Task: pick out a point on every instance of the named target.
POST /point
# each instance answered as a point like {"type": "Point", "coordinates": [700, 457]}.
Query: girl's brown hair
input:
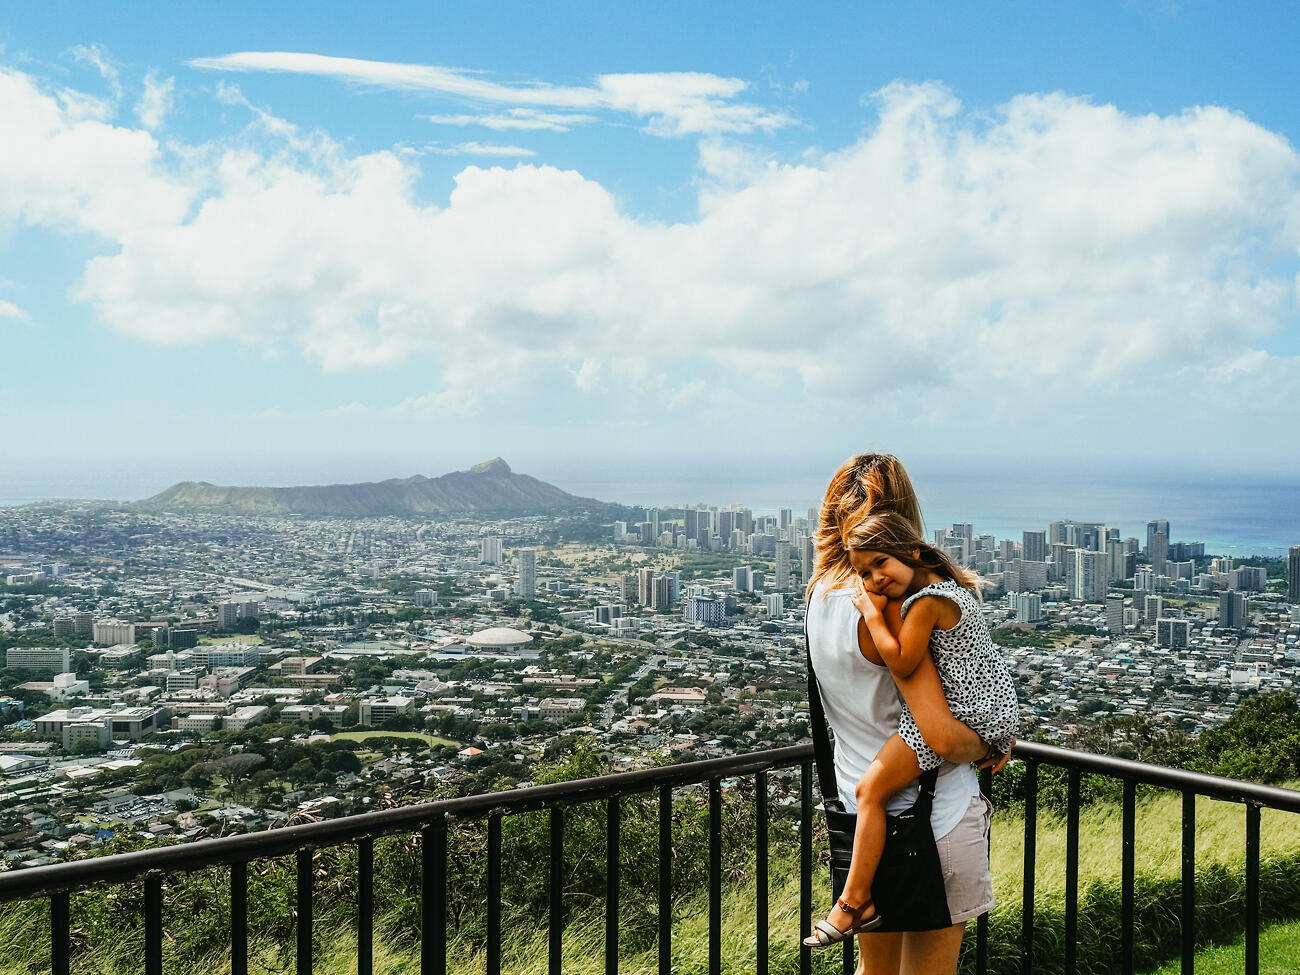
{"type": "Point", "coordinates": [865, 484]}
{"type": "Point", "coordinates": [892, 534]}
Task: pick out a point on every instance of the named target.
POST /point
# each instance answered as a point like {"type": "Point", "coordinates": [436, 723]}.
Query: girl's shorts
{"type": "Point", "coordinates": [964, 856]}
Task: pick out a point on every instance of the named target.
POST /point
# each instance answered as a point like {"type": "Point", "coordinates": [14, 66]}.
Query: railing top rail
{"type": "Point", "coordinates": [125, 867]}
{"type": "Point", "coordinates": [1213, 786]}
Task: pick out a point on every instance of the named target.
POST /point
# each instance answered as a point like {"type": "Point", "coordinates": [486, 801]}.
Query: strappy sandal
{"type": "Point", "coordinates": [826, 934]}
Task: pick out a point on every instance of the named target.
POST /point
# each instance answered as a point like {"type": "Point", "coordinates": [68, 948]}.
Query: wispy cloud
{"type": "Point", "coordinates": [12, 313]}
{"type": "Point", "coordinates": [671, 103]}
{"type": "Point", "coordinates": [524, 119]}
{"type": "Point", "coordinates": [156, 100]}
{"type": "Point", "coordinates": [94, 55]}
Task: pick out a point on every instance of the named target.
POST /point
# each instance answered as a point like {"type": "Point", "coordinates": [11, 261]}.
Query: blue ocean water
{"type": "Point", "coordinates": [1234, 514]}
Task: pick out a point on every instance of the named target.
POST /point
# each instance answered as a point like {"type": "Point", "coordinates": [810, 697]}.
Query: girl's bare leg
{"type": "Point", "coordinates": [894, 766]}
{"type": "Point", "coordinates": [932, 952]}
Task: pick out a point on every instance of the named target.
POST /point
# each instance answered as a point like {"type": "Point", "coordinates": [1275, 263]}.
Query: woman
{"type": "Point", "coordinates": [862, 708]}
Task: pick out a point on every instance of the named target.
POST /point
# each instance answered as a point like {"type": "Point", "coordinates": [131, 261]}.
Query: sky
{"type": "Point", "coordinates": [304, 243]}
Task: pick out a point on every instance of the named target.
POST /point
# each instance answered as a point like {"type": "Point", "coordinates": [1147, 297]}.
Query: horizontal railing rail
{"type": "Point", "coordinates": [431, 819]}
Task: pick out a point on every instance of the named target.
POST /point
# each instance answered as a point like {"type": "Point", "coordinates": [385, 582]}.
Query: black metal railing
{"type": "Point", "coordinates": [431, 819]}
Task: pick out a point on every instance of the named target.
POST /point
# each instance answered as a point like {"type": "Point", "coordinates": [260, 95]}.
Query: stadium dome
{"type": "Point", "coordinates": [500, 638]}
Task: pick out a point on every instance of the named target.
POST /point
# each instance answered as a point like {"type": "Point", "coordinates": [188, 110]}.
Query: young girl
{"type": "Point", "coordinates": [938, 613]}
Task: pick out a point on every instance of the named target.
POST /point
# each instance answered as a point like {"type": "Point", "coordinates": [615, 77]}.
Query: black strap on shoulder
{"type": "Point", "coordinates": [823, 751]}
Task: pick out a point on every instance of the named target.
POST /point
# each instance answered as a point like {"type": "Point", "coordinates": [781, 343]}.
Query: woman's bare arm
{"type": "Point", "coordinates": [951, 739]}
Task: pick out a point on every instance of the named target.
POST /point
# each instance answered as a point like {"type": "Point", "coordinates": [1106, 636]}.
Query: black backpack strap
{"type": "Point", "coordinates": [823, 754]}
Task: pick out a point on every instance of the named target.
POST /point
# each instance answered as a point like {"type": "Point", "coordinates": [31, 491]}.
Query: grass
{"type": "Point", "coordinates": [429, 740]}
{"type": "Point", "coordinates": [1279, 954]}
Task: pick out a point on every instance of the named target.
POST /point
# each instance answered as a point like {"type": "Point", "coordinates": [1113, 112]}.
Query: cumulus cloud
{"type": "Point", "coordinates": [946, 264]}
{"type": "Point", "coordinates": [672, 103]}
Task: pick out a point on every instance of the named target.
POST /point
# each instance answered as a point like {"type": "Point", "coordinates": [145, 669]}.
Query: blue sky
{"type": "Point", "coordinates": [275, 243]}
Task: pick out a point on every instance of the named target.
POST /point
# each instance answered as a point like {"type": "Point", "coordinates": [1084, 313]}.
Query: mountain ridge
{"type": "Point", "coordinates": [487, 488]}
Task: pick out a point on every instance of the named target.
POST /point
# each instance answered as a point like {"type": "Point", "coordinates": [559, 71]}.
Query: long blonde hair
{"type": "Point", "coordinates": [891, 533]}
{"type": "Point", "coordinates": [864, 485]}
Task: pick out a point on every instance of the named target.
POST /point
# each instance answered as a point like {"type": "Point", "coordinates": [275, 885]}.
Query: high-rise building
{"type": "Point", "coordinates": [620, 531]}
{"type": "Point", "coordinates": [1117, 560]}
{"type": "Point", "coordinates": [1091, 576]}
{"type": "Point", "coordinates": [1173, 633]}
{"type": "Point", "coordinates": [1248, 578]}
{"type": "Point", "coordinates": [1158, 552]}
{"type": "Point", "coordinates": [85, 624]}
{"type": "Point", "coordinates": [1115, 614]}
{"type": "Point", "coordinates": [964, 529]}
{"type": "Point", "coordinates": [112, 632]}
{"type": "Point", "coordinates": [774, 603]}
{"type": "Point", "coordinates": [1034, 546]}
{"type": "Point", "coordinates": [661, 593]}
{"type": "Point", "coordinates": [1232, 611]}
{"type": "Point", "coordinates": [1028, 606]}
{"type": "Point", "coordinates": [227, 616]}
{"type": "Point", "coordinates": [704, 609]}
{"type": "Point", "coordinates": [64, 626]}
{"type": "Point", "coordinates": [1157, 525]}
{"type": "Point", "coordinates": [627, 588]}
{"type": "Point", "coordinates": [645, 586]}
{"type": "Point", "coordinates": [1293, 574]}
{"type": "Point", "coordinates": [742, 579]}
{"type": "Point", "coordinates": [490, 550]}
{"type": "Point", "coordinates": [783, 562]}
{"type": "Point", "coordinates": [784, 519]}
{"type": "Point", "coordinates": [526, 564]}
{"type": "Point", "coordinates": [426, 597]}
{"type": "Point", "coordinates": [1153, 607]}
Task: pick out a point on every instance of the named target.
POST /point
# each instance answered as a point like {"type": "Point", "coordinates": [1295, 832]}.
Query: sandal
{"type": "Point", "coordinates": [826, 934]}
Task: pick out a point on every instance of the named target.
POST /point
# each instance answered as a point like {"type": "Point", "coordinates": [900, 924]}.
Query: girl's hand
{"type": "Point", "coordinates": [868, 603]}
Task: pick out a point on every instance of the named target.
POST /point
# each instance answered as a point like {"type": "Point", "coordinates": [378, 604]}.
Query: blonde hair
{"type": "Point", "coordinates": [892, 534]}
{"type": "Point", "coordinates": [864, 485]}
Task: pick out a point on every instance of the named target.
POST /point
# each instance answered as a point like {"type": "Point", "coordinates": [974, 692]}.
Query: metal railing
{"type": "Point", "coordinates": [56, 881]}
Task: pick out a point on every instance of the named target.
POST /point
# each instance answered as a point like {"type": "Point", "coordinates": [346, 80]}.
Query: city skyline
{"type": "Point", "coordinates": [247, 244]}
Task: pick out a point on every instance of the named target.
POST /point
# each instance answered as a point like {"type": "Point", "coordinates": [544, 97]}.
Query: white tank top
{"type": "Point", "coordinates": [862, 708]}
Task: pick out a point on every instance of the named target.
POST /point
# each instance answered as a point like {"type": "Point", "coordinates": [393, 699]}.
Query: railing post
{"type": "Point", "coordinates": [1072, 873]}
{"type": "Point", "coordinates": [1189, 882]}
{"type": "Point", "coordinates": [982, 922]}
{"type": "Point", "coordinates": [612, 815]}
{"type": "Point", "coordinates": [1126, 877]}
{"type": "Point", "coordinates": [239, 918]}
{"type": "Point", "coordinates": [433, 898]}
{"type": "Point", "coordinates": [555, 924]}
{"type": "Point", "coordinates": [60, 959]}
{"type": "Point", "coordinates": [366, 906]}
{"type": "Point", "coordinates": [715, 877]}
{"type": "Point", "coordinates": [305, 882]}
{"type": "Point", "coordinates": [494, 894]}
{"type": "Point", "coordinates": [760, 872]}
{"type": "Point", "coordinates": [1252, 889]}
{"type": "Point", "coordinates": [665, 880]}
{"type": "Point", "coordinates": [153, 933]}
{"type": "Point", "coordinates": [805, 865]}
{"type": "Point", "coordinates": [1031, 856]}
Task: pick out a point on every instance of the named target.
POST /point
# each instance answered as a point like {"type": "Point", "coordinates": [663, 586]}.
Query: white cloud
{"type": "Point", "coordinates": [489, 149]}
{"type": "Point", "coordinates": [156, 100]}
{"type": "Point", "coordinates": [672, 103]}
{"type": "Point", "coordinates": [1053, 255]}
{"type": "Point", "coordinates": [96, 57]}
{"type": "Point", "coordinates": [11, 312]}
{"type": "Point", "coordinates": [524, 119]}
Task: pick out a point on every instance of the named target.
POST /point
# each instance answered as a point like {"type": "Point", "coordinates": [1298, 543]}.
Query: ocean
{"type": "Point", "coordinates": [1234, 514]}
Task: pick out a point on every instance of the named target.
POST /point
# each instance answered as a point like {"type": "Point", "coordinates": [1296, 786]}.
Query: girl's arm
{"type": "Point", "coordinates": [903, 651]}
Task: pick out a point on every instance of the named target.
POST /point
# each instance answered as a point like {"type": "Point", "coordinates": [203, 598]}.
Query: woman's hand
{"type": "Point", "coordinates": [995, 761]}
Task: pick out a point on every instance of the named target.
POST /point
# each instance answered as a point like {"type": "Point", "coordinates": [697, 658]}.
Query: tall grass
{"type": "Point", "coordinates": [108, 935]}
